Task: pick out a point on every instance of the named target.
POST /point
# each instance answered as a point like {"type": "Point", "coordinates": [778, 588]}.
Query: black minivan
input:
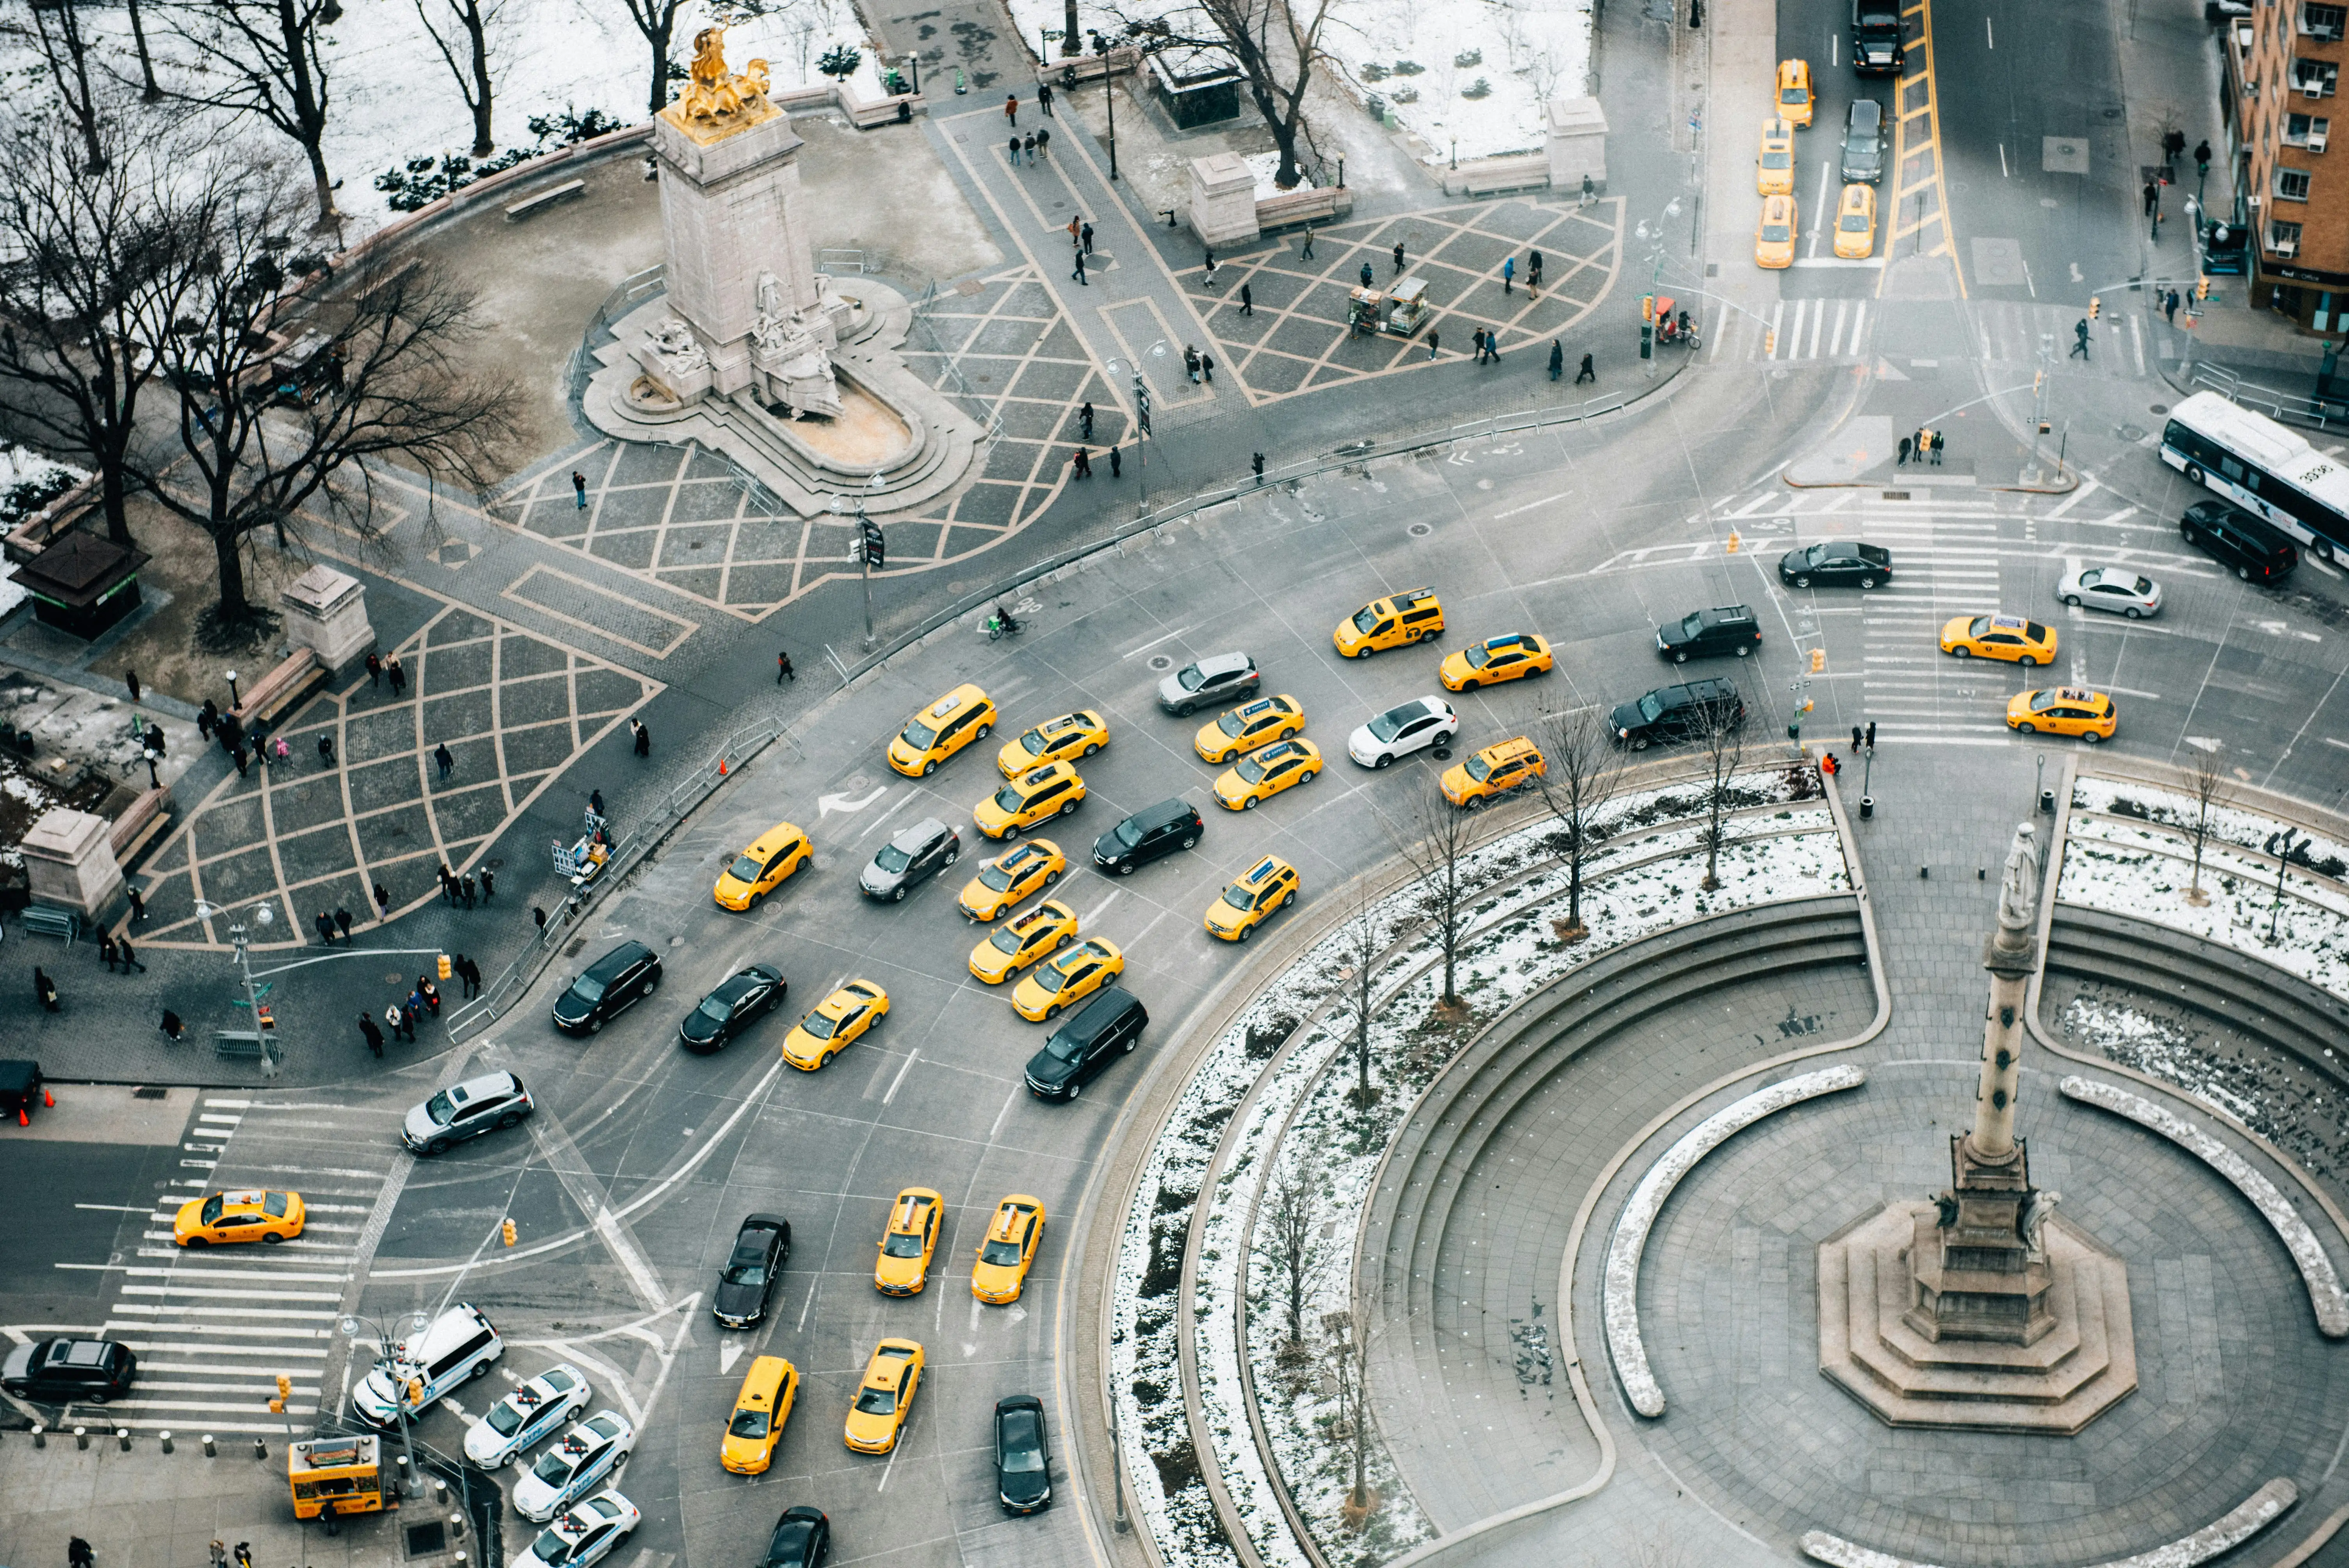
{"type": "Point", "coordinates": [1150, 834]}
{"type": "Point", "coordinates": [2252, 548]}
{"type": "Point", "coordinates": [1108, 1026]}
{"type": "Point", "coordinates": [611, 984]}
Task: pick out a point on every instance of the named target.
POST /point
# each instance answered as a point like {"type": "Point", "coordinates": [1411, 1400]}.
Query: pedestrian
{"type": "Point", "coordinates": [1044, 97]}
{"type": "Point", "coordinates": [1589, 193]}
{"type": "Point", "coordinates": [1248, 301]}
{"type": "Point", "coordinates": [374, 1038]}
{"type": "Point", "coordinates": [238, 752]}
{"type": "Point", "coordinates": [244, 1554]}
{"type": "Point", "coordinates": [447, 884]}
{"type": "Point", "coordinates": [595, 801]}
{"type": "Point", "coordinates": [1011, 109]}
{"type": "Point", "coordinates": [382, 902]}
{"type": "Point", "coordinates": [1117, 462]}
{"type": "Point", "coordinates": [220, 1555]}
{"type": "Point", "coordinates": [326, 751]}
{"type": "Point", "coordinates": [489, 885]}
{"type": "Point", "coordinates": [1828, 766]}
{"type": "Point", "coordinates": [130, 679]}
{"type": "Point", "coordinates": [470, 890]}
{"type": "Point", "coordinates": [1902, 461]}
{"type": "Point", "coordinates": [1085, 238]}
{"type": "Point", "coordinates": [402, 1020]}
{"type": "Point", "coordinates": [1256, 463]}
{"type": "Point", "coordinates": [1398, 257]}
{"type": "Point", "coordinates": [325, 924]}
{"type": "Point", "coordinates": [208, 715]}
{"type": "Point", "coordinates": [1082, 464]}
{"type": "Point", "coordinates": [644, 739]}
{"type": "Point", "coordinates": [2152, 198]}
{"type": "Point", "coordinates": [1476, 339]}
{"type": "Point", "coordinates": [173, 1027]}
{"type": "Point", "coordinates": [1508, 272]}
{"type": "Point", "coordinates": [1028, 146]}
{"type": "Point", "coordinates": [398, 674]}
{"type": "Point", "coordinates": [1015, 152]}
{"type": "Point", "coordinates": [1211, 269]}
{"type": "Point", "coordinates": [1043, 140]}
{"type": "Point", "coordinates": [423, 997]}
{"type": "Point", "coordinates": [441, 755]}
{"type": "Point", "coordinates": [1191, 363]}
{"type": "Point", "coordinates": [129, 959]}
{"type": "Point", "coordinates": [78, 1552]}
{"type": "Point", "coordinates": [1207, 367]}
{"type": "Point", "coordinates": [1307, 254]}
{"type": "Point", "coordinates": [45, 990]}
{"type": "Point", "coordinates": [1366, 274]}
{"type": "Point", "coordinates": [1941, 439]}
{"type": "Point", "coordinates": [1078, 275]}
{"type": "Point", "coordinates": [1533, 272]}
{"type": "Point", "coordinates": [374, 668]}
{"type": "Point", "coordinates": [343, 922]}
{"type": "Point", "coordinates": [1085, 421]}
{"type": "Point", "coordinates": [783, 669]}
{"type": "Point", "coordinates": [106, 951]}
{"type": "Point", "coordinates": [1556, 356]}
{"type": "Point", "coordinates": [1586, 373]}
{"type": "Point", "coordinates": [469, 973]}
{"type": "Point", "coordinates": [2169, 306]}
{"type": "Point", "coordinates": [1076, 231]}
{"type": "Point", "coordinates": [280, 750]}
{"type": "Point", "coordinates": [1434, 342]}
{"type": "Point", "coordinates": [579, 489]}
{"type": "Point", "coordinates": [2173, 142]}
{"type": "Point", "coordinates": [1493, 347]}
{"type": "Point", "coordinates": [1924, 443]}
{"type": "Point", "coordinates": [539, 916]}
{"type": "Point", "coordinates": [2202, 158]}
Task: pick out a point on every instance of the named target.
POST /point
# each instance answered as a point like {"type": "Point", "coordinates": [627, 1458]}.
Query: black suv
{"type": "Point", "coordinates": [1149, 833]}
{"type": "Point", "coordinates": [1731, 629]}
{"type": "Point", "coordinates": [803, 1539]}
{"type": "Point", "coordinates": [1023, 1456]}
{"type": "Point", "coordinates": [2252, 548]}
{"type": "Point", "coordinates": [612, 985]}
{"type": "Point", "coordinates": [1675, 712]}
{"type": "Point", "coordinates": [1108, 1026]}
{"type": "Point", "coordinates": [1863, 143]}
{"type": "Point", "coordinates": [1835, 562]}
{"type": "Point", "coordinates": [748, 1282]}
{"type": "Point", "coordinates": [64, 1371]}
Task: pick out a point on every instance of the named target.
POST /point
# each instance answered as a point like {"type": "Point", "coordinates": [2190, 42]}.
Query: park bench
{"type": "Point", "coordinates": [553, 193]}
{"type": "Point", "coordinates": [237, 1043]}
{"type": "Point", "coordinates": [281, 687]}
{"type": "Point", "coordinates": [1492, 176]}
{"type": "Point", "coordinates": [140, 825]}
{"type": "Point", "coordinates": [44, 922]}
{"type": "Point", "coordinates": [1294, 207]}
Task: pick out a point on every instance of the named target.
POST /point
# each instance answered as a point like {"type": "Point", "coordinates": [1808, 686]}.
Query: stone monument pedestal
{"type": "Point", "coordinates": [1578, 144]}
{"type": "Point", "coordinates": [69, 861]}
{"type": "Point", "coordinates": [326, 611]}
{"type": "Point", "coordinates": [1223, 199]}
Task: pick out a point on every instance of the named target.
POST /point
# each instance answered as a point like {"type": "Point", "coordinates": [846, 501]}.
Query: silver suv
{"type": "Point", "coordinates": [466, 1110]}
{"type": "Point", "coordinates": [1213, 681]}
{"type": "Point", "coordinates": [1863, 143]}
{"type": "Point", "coordinates": [918, 853]}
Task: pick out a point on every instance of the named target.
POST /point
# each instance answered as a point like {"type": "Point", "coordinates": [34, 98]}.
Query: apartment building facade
{"type": "Point", "coordinates": [2283, 67]}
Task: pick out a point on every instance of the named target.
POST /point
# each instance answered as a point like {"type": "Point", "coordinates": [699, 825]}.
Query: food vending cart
{"type": "Point", "coordinates": [337, 1476]}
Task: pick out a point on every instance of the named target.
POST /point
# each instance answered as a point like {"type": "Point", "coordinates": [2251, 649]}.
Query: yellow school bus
{"type": "Point", "coordinates": [337, 1475]}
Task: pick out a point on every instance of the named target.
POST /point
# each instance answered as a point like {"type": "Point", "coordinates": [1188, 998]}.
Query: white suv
{"type": "Point", "coordinates": [459, 1344]}
{"type": "Point", "coordinates": [1420, 723]}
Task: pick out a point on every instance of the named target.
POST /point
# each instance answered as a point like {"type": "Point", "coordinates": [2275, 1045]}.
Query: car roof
{"type": "Point", "coordinates": [619, 958]}
{"type": "Point", "coordinates": [452, 1327]}
{"type": "Point", "coordinates": [920, 834]}
{"type": "Point", "coordinates": [1019, 1402]}
{"type": "Point", "coordinates": [486, 1085]}
{"type": "Point", "coordinates": [1868, 109]}
{"type": "Point", "coordinates": [773, 839]}
{"type": "Point", "coordinates": [1270, 865]}
{"type": "Point", "coordinates": [1217, 664]}
{"type": "Point", "coordinates": [1173, 811]}
{"type": "Point", "coordinates": [960, 698]}
{"type": "Point", "coordinates": [1723, 615]}
{"type": "Point", "coordinates": [763, 1222]}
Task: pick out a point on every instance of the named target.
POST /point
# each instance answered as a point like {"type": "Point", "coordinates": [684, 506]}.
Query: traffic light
{"type": "Point", "coordinates": [1648, 308]}
{"type": "Point", "coordinates": [416, 1392]}
{"type": "Point", "coordinates": [445, 970]}
{"type": "Point", "coordinates": [1770, 344]}
{"type": "Point", "coordinates": [1819, 660]}
{"type": "Point", "coordinates": [2202, 286]}
{"type": "Point", "coordinates": [876, 548]}
{"type": "Point", "coordinates": [1735, 543]}
{"type": "Point", "coordinates": [508, 1230]}
{"type": "Point", "coordinates": [1141, 403]}
{"type": "Point", "coordinates": [284, 1394]}
{"type": "Point", "coordinates": [2096, 306]}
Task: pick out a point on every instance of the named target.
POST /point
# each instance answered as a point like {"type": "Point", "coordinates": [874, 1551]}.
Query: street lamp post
{"type": "Point", "coordinates": [1141, 418]}
{"type": "Point", "coordinates": [233, 700]}
{"type": "Point", "coordinates": [1117, 1473]}
{"type": "Point", "coordinates": [914, 72]}
{"type": "Point", "coordinates": [2281, 845]}
{"type": "Point", "coordinates": [264, 916]}
{"type": "Point", "coordinates": [154, 780]}
{"type": "Point", "coordinates": [418, 1322]}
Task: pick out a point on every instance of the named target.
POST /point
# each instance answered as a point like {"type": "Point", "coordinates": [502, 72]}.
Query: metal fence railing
{"type": "Point", "coordinates": [631, 292]}
{"type": "Point", "coordinates": [2324, 414]}
{"type": "Point", "coordinates": [639, 840]}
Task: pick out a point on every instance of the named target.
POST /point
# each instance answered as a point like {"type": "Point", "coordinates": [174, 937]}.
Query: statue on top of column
{"type": "Point", "coordinates": [2018, 896]}
{"type": "Point", "coordinates": [714, 95]}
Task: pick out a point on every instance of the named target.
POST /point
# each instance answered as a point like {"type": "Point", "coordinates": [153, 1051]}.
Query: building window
{"type": "Point", "coordinates": [2283, 239]}
{"type": "Point", "coordinates": [2324, 21]}
{"type": "Point", "coordinates": [2315, 79]}
{"type": "Point", "coordinates": [2306, 130]}
{"type": "Point", "coordinates": [2292, 184]}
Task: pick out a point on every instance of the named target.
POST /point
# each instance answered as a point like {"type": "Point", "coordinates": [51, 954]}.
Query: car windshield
{"type": "Point", "coordinates": [1693, 626]}
{"type": "Point", "coordinates": [1651, 707]}
{"type": "Point", "coordinates": [1777, 160]}
{"type": "Point", "coordinates": [1239, 897]}
{"type": "Point", "coordinates": [553, 1547]}
{"type": "Point", "coordinates": [441, 1109]}
{"type": "Point", "coordinates": [1793, 95]}
{"type": "Point", "coordinates": [1002, 1254]}
{"type": "Point", "coordinates": [1022, 1453]}
{"type": "Point", "coordinates": [1819, 555]}
{"type": "Point", "coordinates": [819, 1027]}
{"type": "Point", "coordinates": [1052, 979]}
{"type": "Point", "coordinates": [877, 1402]}
{"type": "Point", "coordinates": [748, 868]}
{"type": "Point", "coordinates": [1190, 677]}
{"type": "Point", "coordinates": [747, 1424]}
{"type": "Point", "coordinates": [1008, 798]}
{"type": "Point", "coordinates": [1010, 939]}
{"type": "Point", "coordinates": [994, 878]}
{"type": "Point", "coordinates": [1250, 770]}
{"type": "Point", "coordinates": [504, 1418]}
{"type": "Point", "coordinates": [1776, 233]}
{"type": "Point", "coordinates": [1479, 656]}
{"type": "Point", "coordinates": [1478, 768]}
{"type": "Point", "coordinates": [1128, 832]}
{"type": "Point", "coordinates": [901, 1246]}
{"type": "Point", "coordinates": [1980, 624]}
{"type": "Point", "coordinates": [555, 1465]}
{"type": "Point", "coordinates": [1366, 617]}
{"type": "Point", "coordinates": [892, 858]}
{"type": "Point", "coordinates": [1231, 722]}
{"type": "Point", "coordinates": [2143, 585]}
{"type": "Point", "coordinates": [747, 1274]}
{"type": "Point", "coordinates": [1034, 742]}
{"type": "Point", "coordinates": [918, 736]}
{"type": "Point", "coordinates": [715, 1009]}
{"type": "Point", "coordinates": [2041, 701]}
{"type": "Point", "coordinates": [1388, 725]}
{"type": "Point", "coordinates": [588, 988]}
{"type": "Point", "coordinates": [213, 1208]}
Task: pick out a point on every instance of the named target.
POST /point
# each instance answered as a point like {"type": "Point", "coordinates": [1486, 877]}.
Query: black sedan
{"type": "Point", "coordinates": [745, 997]}
{"type": "Point", "coordinates": [803, 1539]}
{"type": "Point", "coordinates": [1023, 1455]}
{"type": "Point", "coordinates": [1835, 562]}
{"type": "Point", "coordinates": [610, 986]}
{"type": "Point", "coordinates": [761, 1248]}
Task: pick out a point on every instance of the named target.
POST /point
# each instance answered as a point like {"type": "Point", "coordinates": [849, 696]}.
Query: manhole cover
{"type": "Point", "coordinates": [497, 863]}
{"type": "Point", "coordinates": [961, 586]}
{"type": "Point", "coordinates": [1419, 530]}
{"type": "Point", "coordinates": [2128, 433]}
{"type": "Point", "coordinates": [677, 942]}
{"type": "Point", "coordinates": [2160, 408]}
{"type": "Point", "coordinates": [1161, 661]}
{"type": "Point", "coordinates": [393, 978]}
{"type": "Point", "coordinates": [2112, 114]}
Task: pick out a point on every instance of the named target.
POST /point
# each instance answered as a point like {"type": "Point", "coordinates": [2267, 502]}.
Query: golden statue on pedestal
{"type": "Point", "coordinates": [715, 99]}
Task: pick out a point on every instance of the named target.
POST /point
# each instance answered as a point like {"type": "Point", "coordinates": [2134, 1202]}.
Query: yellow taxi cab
{"type": "Point", "coordinates": [938, 731]}
{"type": "Point", "coordinates": [759, 1411]}
{"type": "Point", "coordinates": [886, 1398]}
{"type": "Point", "coordinates": [1795, 105]}
{"type": "Point", "coordinates": [1774, 236]}
{"type": "Point", "coordinates": [1264, 887]}
{"type": "Point", "coordinates": [1773, 166]}
{"type": "Point", "coordinates": [1020, 941]}
{"type": "Point", "coordinates": [249, 1215]}
{"type": "Point", "coordinates": [2012, 637]}
{"type": "Point", "coordinates": [1051, 791]}
{"type": "Point", "coordinates": [906, 1246]}
{"type": "Point", "coordinates": [1389, 623]}
{"type": "Point", "coordinates": [2064, 710]}
{"type": "Point", "coordinates": [1855, 229]}
{"type": "Point", "coordinates": [1494, 771]}
{"type": "Point", "coordinates": [1247, 727]}
{"type": "Point", "coordinates": [761, 869]}
{"type": "Point", "coordinates": [1078, 734]}
{"type": "Point", "coordinates": [1009, 1249]}
{"type": "Point", "coordinates": [1496, 659]}
{"type": "Point", "coordinates": [1266, 772]}
{"type": "Point", "coordinates": [837, 1022]}
{"type": "Point", "coordinates": [1068, 979]}
{"type": "Point", "coordinates": [1011, 876]}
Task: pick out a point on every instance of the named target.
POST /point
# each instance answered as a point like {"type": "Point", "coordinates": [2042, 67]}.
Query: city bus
{"type": "Point", "coordinates": [337, 1476]}
{"type": "Point", "coordinates": [2268, 470]}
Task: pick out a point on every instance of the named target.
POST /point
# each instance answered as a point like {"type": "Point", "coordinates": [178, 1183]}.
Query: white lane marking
{"type": "Point", "coordinates": [1154, 642]}
{"type": "Point", "coordinates": [1819, 207]}
{"type": "Point", "coordinates": [1544, 501]}
{"type": "Point", "coordinates": [1091, 917]}
{"type": "Point", "coordinates": [121, 1208]}
{"type": "Point", "coordinates": [911, 1057]}
{"type": "Point", "coordinates": [1013, 1098]}
{"type": "Point", "coordinates": [1989, 41]}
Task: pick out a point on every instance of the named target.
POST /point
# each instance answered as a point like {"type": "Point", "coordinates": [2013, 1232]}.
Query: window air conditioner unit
{"type": "Point", "coordinates": [2255, 201]}
{"type": "Point", "coordinates": [2286, 248]}
{"type": "Point", "coordinates": [2316, 142]}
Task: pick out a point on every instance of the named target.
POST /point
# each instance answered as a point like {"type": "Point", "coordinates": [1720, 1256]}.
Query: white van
{"type": "Point", "coordinates": [459, 1344]}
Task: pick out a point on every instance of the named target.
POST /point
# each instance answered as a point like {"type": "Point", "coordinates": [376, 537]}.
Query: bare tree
{"type": "Point", "coordinates": [656, 20]}
{"type": "Point", "coordinates": [1289, 1240]}
{"type": "Point", "coordinates": [1585, 773]}
{"type": "Point", "coordinates": [289, 393]}
{"type": "Point", "coordinates": [266, 58]}
{"type": "Point", "coordinates": [2209, 788]}
{"type": "Point", "coordinates": [1277, 44]}
{"type": "Point", "coordinates": [1721, 743]}
{"type": "Point", "coordinates": [1432, 842]}
{"type": "Point", "coordinates": [149, 90]}
{"type": "Point", "coordinates": [1359, 945]}
{"type": "Point", "coordinates": [96, 269]}
{"type": "Point", "coordinates": [55, 32]}
{"type": "Point", "coordinates": [473, 19]}
{"type": "Point", "coordinates": [1348, 1341]}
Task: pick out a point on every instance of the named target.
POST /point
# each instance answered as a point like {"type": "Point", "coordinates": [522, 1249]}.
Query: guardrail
{"type": "Point", "coordinates": [639, 842]}
{"type": "Point", "coordinates": [2319, 413]}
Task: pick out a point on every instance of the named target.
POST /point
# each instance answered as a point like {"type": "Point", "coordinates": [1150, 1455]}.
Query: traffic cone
{"type": "Point", "coordinates": [721, 767]}
{"type": "Point", "coordinates": [49, 1099]}
{"type": "Point", "coordinates": [24, 1117]}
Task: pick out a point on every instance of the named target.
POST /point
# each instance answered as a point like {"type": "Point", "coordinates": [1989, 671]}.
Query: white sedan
{"type": "Point", "coordinates": [2118, 589]}
{"type": "Point", "coordinates": [1417, 724]}
{"type": "Point", "coordinates": [526, 1415]}
{"type": "Point", "coordinates": [584, 1535]}
{"type": "Point", "coordinates": [588, 1453]}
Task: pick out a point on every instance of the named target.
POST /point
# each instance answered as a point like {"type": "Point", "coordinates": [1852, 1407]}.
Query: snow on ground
{"type": "Point", "coordinates": [1422, 59]}
{"type": "Point", "coordinates": [1648, 881]}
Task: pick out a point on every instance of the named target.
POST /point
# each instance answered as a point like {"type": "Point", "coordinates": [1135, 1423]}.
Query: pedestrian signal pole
{"type": "Point", "coordinates": [1141, 442]}
{"type": "Point", "coordinates": [873, 550]}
